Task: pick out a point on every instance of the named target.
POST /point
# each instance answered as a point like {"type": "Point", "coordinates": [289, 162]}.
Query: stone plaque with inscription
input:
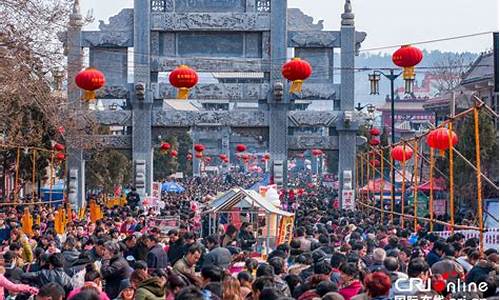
{"type": "Point", "coordinates": [210, 5]}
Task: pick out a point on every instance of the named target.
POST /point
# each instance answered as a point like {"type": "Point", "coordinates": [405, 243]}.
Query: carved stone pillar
{"type": "Point", "coordinates": [278, 108]}
{"type": "Point", "coordinates": [76, 163]}
{"type": "Point", "coordinates": [346, 128]}
{"type": "Point", "coordinates": [142, 99]}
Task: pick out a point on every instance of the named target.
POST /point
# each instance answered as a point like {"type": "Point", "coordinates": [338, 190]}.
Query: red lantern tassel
{"type": "Point", "coordinates": [89, 95]}
{"type": "Point", "coordinates": [183, 94]}
{"type": "Point", "coordinates": [296, 86]}
{"type": "Point", "coordinates": [409, 73]}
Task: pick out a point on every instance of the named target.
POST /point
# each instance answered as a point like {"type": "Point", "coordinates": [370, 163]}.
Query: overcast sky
{"type": "Point", "coordinates": [387, 22]}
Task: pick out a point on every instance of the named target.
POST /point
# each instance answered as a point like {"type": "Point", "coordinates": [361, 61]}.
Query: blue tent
{"type": "Point", "coordinates": [57, 192]}
{"type": "Point", "coordinates": [172, 187]}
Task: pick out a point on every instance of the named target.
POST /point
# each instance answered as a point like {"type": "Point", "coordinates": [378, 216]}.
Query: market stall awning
{"type": "Point", "coordinates": [374, 186]}
{"type": "Point", "coordinates": [439, 185]}
{"type": "Point", "coordinates": [242, 198]}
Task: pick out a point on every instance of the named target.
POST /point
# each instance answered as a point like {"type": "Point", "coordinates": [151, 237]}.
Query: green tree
{"type": "Point", "coordinates": [107, 169]}
{"type": "Point", "coordinates": [166, 165]}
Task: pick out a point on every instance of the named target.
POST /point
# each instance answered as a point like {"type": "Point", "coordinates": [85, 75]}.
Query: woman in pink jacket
{"type": "Point", "coordinates": [93, 280]}
{"type": "Point", "coordinates": [14, 288]}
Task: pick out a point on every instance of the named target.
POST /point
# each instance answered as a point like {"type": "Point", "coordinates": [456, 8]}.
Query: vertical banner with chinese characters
{"type": "Point", "coordinates": [348, 199]}
{"type": "Point", "coordinates": [286, 230]}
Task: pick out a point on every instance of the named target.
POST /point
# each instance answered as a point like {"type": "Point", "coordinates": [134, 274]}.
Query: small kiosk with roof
{"type": "Point", "coordinates": [272, 224]}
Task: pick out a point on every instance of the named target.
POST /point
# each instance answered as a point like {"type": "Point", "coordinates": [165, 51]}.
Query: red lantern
{"type": "Point", "coordinates": [245, 157]}
{"type": "Point", "coordinates": [60, 156]}
{"type": "Point", "coordinates": [399, 154]}
{"type": "Point", "coordinates": [58, 147]}
{"type": "Point", "coordinates": [407, 57]}
{"type": "Point", "coordinates": [375, 162]}
{"type": "Point", "coordinates": [173, 153]}
{"type": "Point", "coordinates": [183, 78]}
{"type": "Point", "coordinates": [241, 148]}
{"type": "Point", "coordinates": [165, 147]}
{"type": "Point", "coordinates": [199, 155]}
{"type": "Point", "coordinates": [316, 152]}
{"type": "Point", "coordinates": [208, 159]}
{"type": "Point", "coordinates": [199, 147]}
{"type": "Point", "coordinates": [90, 80]}
{"type": "Point", "coordinates": [267, 156]}
{"type": "Point", "coordinates": [439, 139]}
{"type": "Point", "coordinates": [296, 70]}
{"type": "Point", "coordinates": [374, 142]}
{"type": "Point", "coordinates": [374, 131]}
{"type": "Point", "coordinates": [222, 157]}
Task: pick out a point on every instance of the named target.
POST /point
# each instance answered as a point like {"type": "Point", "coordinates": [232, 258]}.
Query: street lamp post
{"type": "Point", "coordinates": [374, 79]}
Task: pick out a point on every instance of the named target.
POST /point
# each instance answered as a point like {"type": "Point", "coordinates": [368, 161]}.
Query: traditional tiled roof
{"type": "Point", "coordinates": [481, 69]}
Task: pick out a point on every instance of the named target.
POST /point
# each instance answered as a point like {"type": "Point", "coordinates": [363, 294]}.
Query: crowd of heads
{"type": "Point", "coordinates": [334, 254]}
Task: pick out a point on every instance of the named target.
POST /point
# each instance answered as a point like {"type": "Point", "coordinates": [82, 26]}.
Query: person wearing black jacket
{"type": "Point", "coordinates": [55, 273]}
{"type": "Point", "coordinates": [133, 198]}
{"type": "Point", "coordinates": [157, 257]}
{"type": "Point", "coordinates": [246, 237]}
{"type": "Point", "coordinates": [114, 269]}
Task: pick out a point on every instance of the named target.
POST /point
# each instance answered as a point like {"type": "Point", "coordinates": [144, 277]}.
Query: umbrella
{"type": "Point", "coordinates": [172, 187]}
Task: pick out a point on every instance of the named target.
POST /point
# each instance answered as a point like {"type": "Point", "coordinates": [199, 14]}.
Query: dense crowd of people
{"type": "Point", "coordinates": [333, 255]}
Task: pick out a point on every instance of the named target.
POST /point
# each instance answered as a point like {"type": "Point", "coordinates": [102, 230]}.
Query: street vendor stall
{"type": "Point", "coordinates": [272, 224]}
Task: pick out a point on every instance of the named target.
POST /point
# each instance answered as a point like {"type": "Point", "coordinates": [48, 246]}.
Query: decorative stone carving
{"type": "Point", "coordinates": [207, 118]}
{"type": "Point", "coordinates": [305, 39]}
{"type": "Point", "coordinates": [215, 6]}
{"type": "Point", "coordinates": [113, 92]}
{"type": "Point", "coordinates": [211, 21]}
{"type": "Point", "coordinates": [123, 21]}
{"type": "Point", "coordinates": [317, 91]}
{"type": "Point", "coordinates": [117, 117]}
{"type": "Point", "coordinates": [347, 16]}
{"type": "Point", "coordinates": [313, 118]}
{"type": "Point", "coordinates": [299, 21]}
{"type": "Point", "coordinates": [167, 64]}
{"type": "Point", "coordinates": [107, 39]}
{"type": "Point", "coordinates": [219, 91]}
{"type": "Point", "coordinates": [313, 142]}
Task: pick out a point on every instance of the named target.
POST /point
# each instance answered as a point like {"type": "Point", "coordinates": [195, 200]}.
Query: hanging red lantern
{"type": "Point", "coordinates": [183, 78]}
{"type": "Point", "coordinates": [374, 131]}
{"type": "Point", "coordinates": [60, 156]}
{"type": "Point", "coordinates": [245, 157]}
{"type": "Point", "coordinates": [173, 153]}
{"type": "Point", "coordinates": [399, 154]}
{"type": "Point", "coordinates": [222, 157]}
{"type": "Point", "coordinates": [208, 159]}
{"type": "Point", "coordinates": [316, 152]}
{"type": "Point", "coordinates": [241, 148]}
{"type": "Point", "coordinates": [58, 147]}
{"type": "Point", "coordinates": [189, 156]}
{"type": "Point", "coordinates": [439, 139]}
{"type": "Point", "coordinates": [199, 155]}
{"type": "Point", "coordinates": [90, 80]}
{"type": "Point", "coordinates": [296, 70]}
{"type": "Point", "coordinates": [199, 148]}
{"type": "Point", "coordinates": [267, 156]}
{"type": "Point", "coordinates": [165, 147]}
{"type": "Point", "coordinates": [407, 57]}
{"type": "Point", "coordinates": [374, 142]}
{"type": "Point", "coordinates": [375, 162]}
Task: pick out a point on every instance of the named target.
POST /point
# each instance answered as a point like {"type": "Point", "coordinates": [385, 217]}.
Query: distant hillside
{"type": "Point", "coordinates": [384, 61]}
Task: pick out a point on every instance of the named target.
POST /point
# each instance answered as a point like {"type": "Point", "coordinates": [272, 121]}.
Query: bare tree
{"type": "Point", "coordinates": [448, 71]}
